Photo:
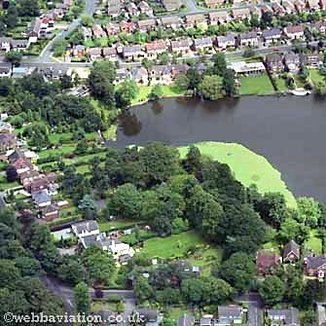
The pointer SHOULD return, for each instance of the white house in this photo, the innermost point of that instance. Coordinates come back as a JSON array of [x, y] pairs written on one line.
[[86, 228]]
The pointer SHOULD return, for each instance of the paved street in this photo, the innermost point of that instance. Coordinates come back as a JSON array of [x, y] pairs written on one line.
[[255, 313]]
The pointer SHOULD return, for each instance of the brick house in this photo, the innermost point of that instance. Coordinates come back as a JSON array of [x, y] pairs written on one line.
[[274, 62], [180, 47], [219, 17], [267, 261], [291, 252], [249, 39], [315, 266], [155, 48], [294, 32]]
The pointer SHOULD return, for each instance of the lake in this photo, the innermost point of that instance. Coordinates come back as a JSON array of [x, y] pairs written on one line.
[[289, 131]]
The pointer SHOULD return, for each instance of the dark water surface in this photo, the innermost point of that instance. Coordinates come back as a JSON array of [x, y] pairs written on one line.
[[289, 131]]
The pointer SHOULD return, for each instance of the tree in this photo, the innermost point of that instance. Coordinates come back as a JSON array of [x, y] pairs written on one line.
[[239, 270], [87, 207], [126, 92], [211, 87], [82, 298], [309, 211], [28, 266], [143, 290], [219, 67], [229, 84], [14, 57], [194, 78], [156, 92], [182, 82], [38, 135], [87, 21], [29, 8], [126, 202], [11, 173], [272, 290], [248, 52], [293, 230], [71, 271], [192, 162], [217, 291], [11, 17], [192, 290]]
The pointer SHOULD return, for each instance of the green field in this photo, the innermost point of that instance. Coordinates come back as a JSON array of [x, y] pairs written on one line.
[[174, 246], [247, 166], [314, 243], [315, 76], [257, 85], [116, 224]]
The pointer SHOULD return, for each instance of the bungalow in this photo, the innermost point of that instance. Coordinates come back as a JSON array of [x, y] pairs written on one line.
[[267, 261], [241, 13], [86, 228], [171, 22], [110, 53], [5, 70], [195, 20], [98, 31], [127, 26], [213, 3], [292, 62], [274, 62], [146, 24], [145, 8], [114, 8], [315, 266], [7, 141], [95, 53], [180, 47], [171, 5], [249, 39], [139, 75], [186, 320], [224, 42], [291, 252], [155, 48], [219, 17], [294, 32], [283, 317], [41, 198], [133, 52], [229, 315], [271, 35]]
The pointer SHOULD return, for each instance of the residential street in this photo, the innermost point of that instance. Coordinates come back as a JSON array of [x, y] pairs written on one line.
[[254, 308]]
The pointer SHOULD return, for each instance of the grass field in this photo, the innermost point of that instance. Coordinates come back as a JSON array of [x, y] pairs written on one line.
[[247, 166], [314, 243], [117, 224], [281, 85], [173, 246], [258, 85], [315, 76]]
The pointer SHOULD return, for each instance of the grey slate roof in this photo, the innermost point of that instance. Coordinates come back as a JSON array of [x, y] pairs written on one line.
[[41, 197], [230, 311], [87, 226], [289, 316], [315, 262], [293, 247]]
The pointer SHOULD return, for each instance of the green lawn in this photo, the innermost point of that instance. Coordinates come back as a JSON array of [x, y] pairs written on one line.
[[281, 85], [314, 243], [247, 166], [315, 76], [116, 224], [61, 150], [258, 85], [173, 246]]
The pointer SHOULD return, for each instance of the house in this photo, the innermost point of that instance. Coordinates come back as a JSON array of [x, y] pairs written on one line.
[[5, 70], [322, 4], [19, 45], [87, 32], [98, 31], [114, 8], [243, 68], [7, 141], [112, 29], [145, 8], [287, 317], [132, 9], [34, 30], [79, 51], [139, 75], [292, 62], [110, 53], [86, 228], [41, 198], [50, 212], [178, 69], [300, 5], [150, 317], [271, 35], [207, 320], [95, 53], [249, 39], [313, 4], [229, 315], [118, 249], [121, 75], [6, 127], [155, 48], [186, 320], [213, 3], [204, 43], [288, 6], [180, 47], [267, 261], [312, 60], [171, 5], [219, 17], [226, 41], [127, 26], [315, 266], [22, 165], [274, 62], [170, 22], [146, 24], [320, 26], [5, 44], [33, 182], [291, 252], [278, 9], [294, 32], [133, 52], [194, 20], [240, 14], [160, 74], [15, 155]]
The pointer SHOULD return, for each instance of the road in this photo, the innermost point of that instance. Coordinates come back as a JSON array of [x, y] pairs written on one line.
[[254, 308], [66, 293]]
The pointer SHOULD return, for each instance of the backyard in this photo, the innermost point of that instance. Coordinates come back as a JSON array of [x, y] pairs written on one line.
[[258, 85]]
